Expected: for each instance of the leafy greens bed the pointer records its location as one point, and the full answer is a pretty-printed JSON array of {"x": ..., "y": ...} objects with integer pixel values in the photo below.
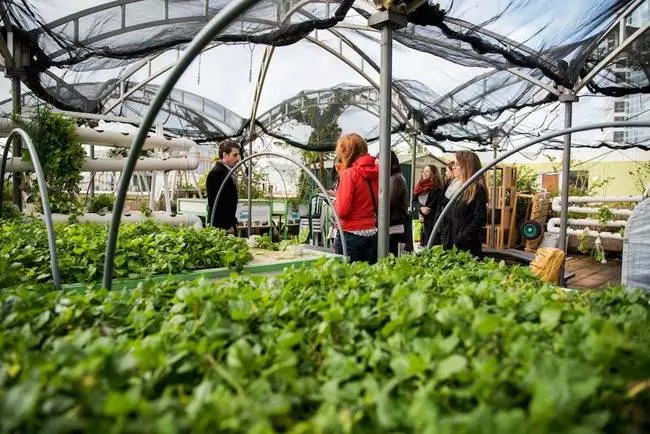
[
  {"x": 437, "y": 343},
  {"x": 143, "y": 249}
]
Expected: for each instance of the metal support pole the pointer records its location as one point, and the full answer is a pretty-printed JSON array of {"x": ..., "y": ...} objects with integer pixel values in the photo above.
[
  {"x": 414, "y": 138},
  {"x": 168, "y": 202},
  {"x": 222, "y": 20},
  {"x": 249, "y": 223},
  {"x": 91, "y": 187},
  {"x": 568, "y": 99},
  {"x": 493, "y": 241},
  {"x": 385, "y": 21},
  {"x": 17, "y": 149},
  {"x": 385, "y": 87},
  {"x": 261, "y": 78},
  {"x": 477, "y": 175}
]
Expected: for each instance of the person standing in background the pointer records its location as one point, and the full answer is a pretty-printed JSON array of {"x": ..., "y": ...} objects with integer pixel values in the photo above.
[
  {"x": 464, "y": 224},
  {"x": 398, "y": 206},
  {"x": 426, "y": 198},
  {"x": 226, "y": 209},
  {"x": 356, "y": 199}
]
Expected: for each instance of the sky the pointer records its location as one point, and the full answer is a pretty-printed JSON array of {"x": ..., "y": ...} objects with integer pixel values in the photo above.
[{"x": 227, "y": 74}]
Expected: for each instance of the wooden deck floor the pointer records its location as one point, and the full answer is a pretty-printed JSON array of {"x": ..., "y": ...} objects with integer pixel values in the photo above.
[{"x": 591, "y": 274}]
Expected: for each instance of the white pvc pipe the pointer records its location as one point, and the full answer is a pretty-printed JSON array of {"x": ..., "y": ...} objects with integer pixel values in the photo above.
[
  {"x": 97, "y": 137},
  {"x": 589, "y": 222},
  {"x": 554, "y": 229},
  {"x": 557, "y": 203},
  {"x": 135, "y": 216},
  {"x": 117, "y": 164},
  {"x": 168, "y": 202}
]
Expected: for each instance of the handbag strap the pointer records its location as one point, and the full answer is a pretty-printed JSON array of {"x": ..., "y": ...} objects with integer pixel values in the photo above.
[{"x": 374, "y": 201}]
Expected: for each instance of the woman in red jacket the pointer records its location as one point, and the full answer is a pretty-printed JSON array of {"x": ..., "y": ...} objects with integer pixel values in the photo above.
[{"x": 356, "y": 199}]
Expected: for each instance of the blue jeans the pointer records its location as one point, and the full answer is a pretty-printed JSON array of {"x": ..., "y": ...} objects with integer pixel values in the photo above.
[{"x": 359, "y": 248}]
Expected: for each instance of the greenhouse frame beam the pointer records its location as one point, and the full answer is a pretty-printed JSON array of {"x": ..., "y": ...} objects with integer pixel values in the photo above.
[
  {"x": 534, "y": 81},
  {"x": 259, "y": 87},
  {"x": 208, "y": 120},
  {"x": 398, "y": 110},
  {"x": 215, "y": 26},
  {"x": 540, "y": 139},
  {"x": 501, "y": 38},
  {"x": 610, "y": 57},
  {"x": 621, "y": 18},
  {"x": 278, "y": 115}
]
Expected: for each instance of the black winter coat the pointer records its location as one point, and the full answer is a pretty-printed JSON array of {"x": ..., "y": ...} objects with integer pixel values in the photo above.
[
  {"x": 464, "y": 225},
  {"x": 226, "y": 213},
  {"x": 433, "y": 202}
]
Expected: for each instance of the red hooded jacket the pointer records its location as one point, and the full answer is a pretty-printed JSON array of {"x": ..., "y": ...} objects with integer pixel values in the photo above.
[{"x": 354, "y": 203}]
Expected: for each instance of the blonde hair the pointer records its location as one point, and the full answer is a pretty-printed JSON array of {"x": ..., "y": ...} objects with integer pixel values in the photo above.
[
  {"x": 349, "y": 148},
  {"x": 468, "y": 164}
]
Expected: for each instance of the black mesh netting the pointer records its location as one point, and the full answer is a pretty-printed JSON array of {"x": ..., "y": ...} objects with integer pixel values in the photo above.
[
  {"x": 183, "y": 113},
  {"x": 551, "y": 42}
]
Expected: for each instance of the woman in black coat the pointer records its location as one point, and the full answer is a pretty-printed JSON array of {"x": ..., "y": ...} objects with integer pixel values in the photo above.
[
  {"x": 464, "y": 224},
  {"x": 426, "y": 198}
]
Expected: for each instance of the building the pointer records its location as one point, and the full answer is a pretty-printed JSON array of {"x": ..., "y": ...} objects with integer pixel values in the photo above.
[{"x": 631, "y": 107}]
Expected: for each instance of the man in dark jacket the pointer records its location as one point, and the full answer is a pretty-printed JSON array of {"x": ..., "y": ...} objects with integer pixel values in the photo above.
[{"x": 225, "y": 216}]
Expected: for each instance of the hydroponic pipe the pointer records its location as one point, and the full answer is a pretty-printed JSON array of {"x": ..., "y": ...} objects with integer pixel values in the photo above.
[
  {"x": 297, "y": 163},
  {"x": 477, "y": 175},
  {"x": 557, "y": 201},
  {"x": 98, "y": 137},
  {"x": 134, "y": 217},
  {"x": 117, "y": 164},
  {"x": 42, "y": 188},
  {"x": 222, "y": 20}
]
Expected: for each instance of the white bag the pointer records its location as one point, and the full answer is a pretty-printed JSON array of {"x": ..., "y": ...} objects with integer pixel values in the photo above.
[{"x": 636, "y": 249}]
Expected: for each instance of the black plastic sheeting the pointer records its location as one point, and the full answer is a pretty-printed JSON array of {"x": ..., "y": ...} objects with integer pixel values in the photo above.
[{"x": 553, "y": 42}]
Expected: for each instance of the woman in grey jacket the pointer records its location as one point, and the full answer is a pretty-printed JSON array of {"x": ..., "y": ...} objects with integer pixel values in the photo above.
[{"x": 399, "y": 199}]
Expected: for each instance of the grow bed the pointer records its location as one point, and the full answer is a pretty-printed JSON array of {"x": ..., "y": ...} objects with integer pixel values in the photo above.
[
  {"x": 263, "y": 262},
  {"x": 434, "y": 343}
]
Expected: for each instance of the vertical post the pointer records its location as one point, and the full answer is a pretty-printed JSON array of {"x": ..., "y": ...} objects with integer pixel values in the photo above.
[
  {"x": 249, "y": 223},
  {"x": 493, "y": 241},
  {"x": 385, "y": 21},
  {"x": 414, "y": 138},
  {"x": 17, "y": 150},
  {"x": 568, "y": 98},
  {"x": 168, "y": 203},
  {"x": 91, "y": 187}
]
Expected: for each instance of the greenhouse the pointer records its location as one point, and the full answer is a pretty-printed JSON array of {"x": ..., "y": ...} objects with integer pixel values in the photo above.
[{"x": 321, "y": 216}]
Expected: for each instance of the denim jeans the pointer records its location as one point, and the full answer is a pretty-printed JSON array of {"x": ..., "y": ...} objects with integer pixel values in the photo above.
[{"x": 359, "y": 248}]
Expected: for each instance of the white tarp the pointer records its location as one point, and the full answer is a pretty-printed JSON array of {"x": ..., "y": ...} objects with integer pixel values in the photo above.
[{"x": 636, "y": 249}]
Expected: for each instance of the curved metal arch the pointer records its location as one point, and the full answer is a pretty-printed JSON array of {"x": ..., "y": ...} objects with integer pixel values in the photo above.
[
  {"x": 622, "y": 16},
  {"x": 42, "y": 188},
  {"x": 150, "y": 90},
  {"x": 282, "y": 12},
  {"x": 361, "y": 96},
  {"x": 478, "y": 174},
  {"x": 216, "y": 25},
  {"x": 301, "y": 166}
]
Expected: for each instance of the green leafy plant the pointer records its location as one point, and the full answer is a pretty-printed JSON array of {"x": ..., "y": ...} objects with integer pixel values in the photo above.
[
  {"x": 101, "y": 202},
  {"x": 61, "y": 155},
  {"x": 265, "y": 242},
  {"x": 584, "y": 242},
  {"x": 145, "y": 210},
  {"x": 526, "y": 180},
  {"x": 143, "y": 249},
  {"x": 641, "y": 176},
  {"x": 430, "y": 343},
  {"x": 605, "y": 215},
  {"x": 10, "y": 212}
]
